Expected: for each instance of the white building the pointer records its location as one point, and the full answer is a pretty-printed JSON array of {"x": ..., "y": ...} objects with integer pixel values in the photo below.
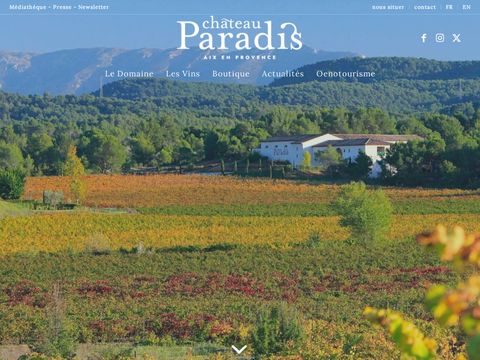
[{"x": 292, "y": 148}]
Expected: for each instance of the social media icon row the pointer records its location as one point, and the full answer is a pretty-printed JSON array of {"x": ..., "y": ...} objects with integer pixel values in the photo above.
[{"x": 441, "y": 38}]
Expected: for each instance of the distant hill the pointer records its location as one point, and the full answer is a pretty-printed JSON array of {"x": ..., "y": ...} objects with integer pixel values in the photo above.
[
  {"x": 399, "y": 96},
  {"x": 387, "y": 68},
  {"x": 79, "y": 71},
  {"x": 415, "y": 89}
]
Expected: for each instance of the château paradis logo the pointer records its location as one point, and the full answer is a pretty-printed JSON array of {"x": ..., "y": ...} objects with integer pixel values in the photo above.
[{"x": 230, "y": 34}]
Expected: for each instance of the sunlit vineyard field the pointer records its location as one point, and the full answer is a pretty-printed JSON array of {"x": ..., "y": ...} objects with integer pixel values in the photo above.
[
  {"x": 80, "y": 231},
  {"x": 165, "y": 190},
  {"x": 182, "y": 259}
]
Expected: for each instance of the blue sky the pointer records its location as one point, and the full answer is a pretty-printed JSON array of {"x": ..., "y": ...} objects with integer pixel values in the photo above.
[{"x": 346, "y": 25}]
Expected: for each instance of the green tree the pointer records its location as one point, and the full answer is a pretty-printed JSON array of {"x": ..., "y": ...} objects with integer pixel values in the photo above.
[
  {"x": 62, "y": 142},
  {"x": 361, "y": 167},
  {"x": 104, "y": 152},
  {"x": 367, "y": 213},
  {"x": 28, "y": 165},
  {"x": 12, "y": 184},
  {"x": 40, "y": 147},
  {"x": 10, "y": 156},
  {"x": 8, "y": 135},
  {"x": 330, "y": 160},
  {"x": 303, "y": 125},
  {"x": 372, "y": 121},
  {"x": 278, "y": 330},
  {"x": 183, "y": 155},
  {"x": 236, "y": 149},
  {"x": 414, "y": 160},
  {"x": 449, "y": 128},
  {"x": 279, "y": 120},
  {"x": 412, "y": 125},
  {"x": 143, "y": 150},
  {"x": 215, "y": 145},
  {"x": 165, "y": 156},
  {"x": 197, "y": 145}
]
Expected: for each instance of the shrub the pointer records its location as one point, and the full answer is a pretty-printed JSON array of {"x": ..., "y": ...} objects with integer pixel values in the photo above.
[
  {"x": 330, "y": 160},
  {"x": 12, "y": 184},
  {"x": 254, "y": 156},
  {"x": 59, "y": 341},
  {"x": 53, "y": 198},
  {"x": 313, "y": 241},
  {"x": 367, "y": 213},
  {"x": 278, "y": 330},
  {"x": 98, "y": 244}
]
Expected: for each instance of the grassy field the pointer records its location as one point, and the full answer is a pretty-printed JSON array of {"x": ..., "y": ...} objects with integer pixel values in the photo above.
[
  {"x": 193, "y": 259},
  {"x": 10, "y": 209}
]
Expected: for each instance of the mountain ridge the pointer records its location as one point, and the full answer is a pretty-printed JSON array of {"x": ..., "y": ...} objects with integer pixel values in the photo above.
[{"x": 78, "y": 71}]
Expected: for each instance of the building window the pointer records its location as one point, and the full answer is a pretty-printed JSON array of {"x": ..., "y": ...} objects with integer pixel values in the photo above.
[
  {"x": 266, "y": 146},
  {"x": 381, "y": 151},
  {"x": 276, "y": 146},
  {"x": 286, "y": 145}
]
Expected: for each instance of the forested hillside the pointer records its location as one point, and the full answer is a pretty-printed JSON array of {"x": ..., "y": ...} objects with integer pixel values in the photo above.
[
  {"x": 157, "y": 122},
  {"x": 402, "y": 96},
  {"x": 388, "y": 68}
]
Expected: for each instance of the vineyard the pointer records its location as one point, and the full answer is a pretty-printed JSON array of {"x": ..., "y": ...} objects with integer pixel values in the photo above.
[
  {"x": 165, "y": 190},
  {"x": 83, "y": 230},
  {"x": 181, "y": 260}
]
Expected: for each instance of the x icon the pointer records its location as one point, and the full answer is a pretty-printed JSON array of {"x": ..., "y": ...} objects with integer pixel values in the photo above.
[{"x": 456, "y": 38}]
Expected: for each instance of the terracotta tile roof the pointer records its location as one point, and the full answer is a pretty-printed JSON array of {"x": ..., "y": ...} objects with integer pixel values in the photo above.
[
  {"x": 353, "y": 142},
  {"x": 380, "y": 137}
]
